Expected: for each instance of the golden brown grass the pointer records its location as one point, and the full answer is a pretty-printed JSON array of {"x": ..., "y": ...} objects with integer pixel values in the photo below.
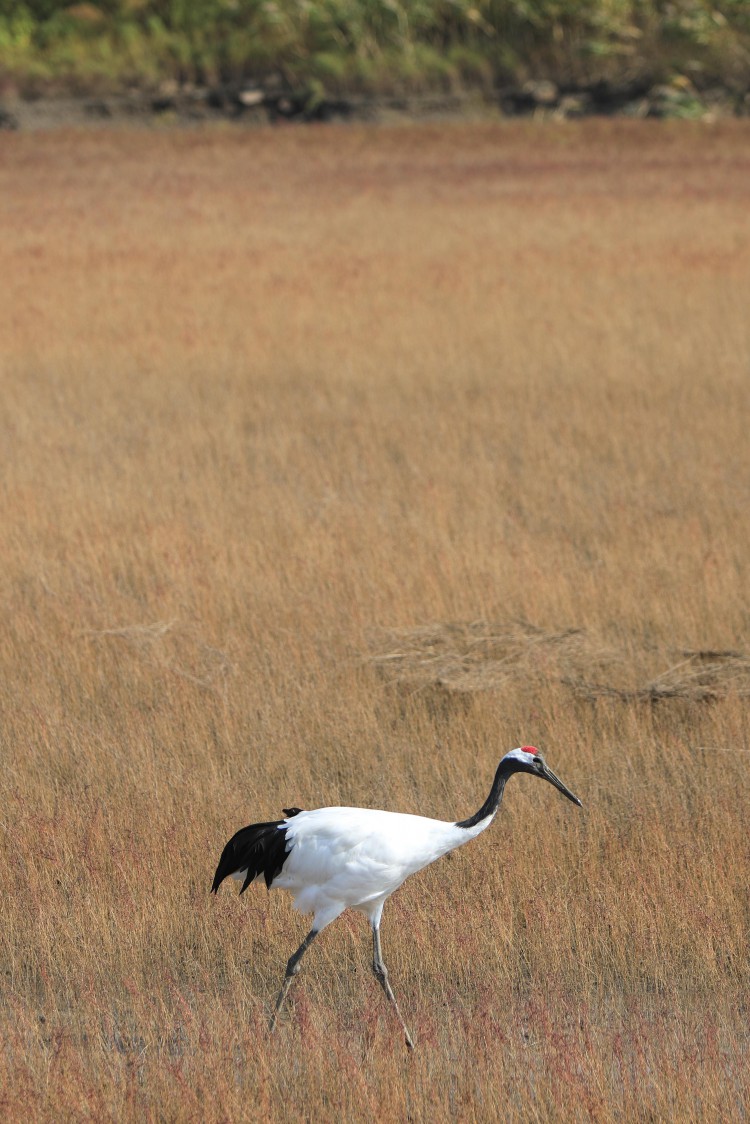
[{"x": 273, "y": 402}]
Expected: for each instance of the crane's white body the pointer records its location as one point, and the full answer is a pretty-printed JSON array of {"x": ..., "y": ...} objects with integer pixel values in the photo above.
[{"x": 354, "y": 858}]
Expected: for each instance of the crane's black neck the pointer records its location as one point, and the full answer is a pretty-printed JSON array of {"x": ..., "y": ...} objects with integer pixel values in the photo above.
[{"x": 504, "y": 770}]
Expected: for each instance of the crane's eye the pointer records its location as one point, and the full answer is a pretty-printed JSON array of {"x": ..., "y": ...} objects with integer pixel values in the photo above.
[{"x": 538, "y": 761}]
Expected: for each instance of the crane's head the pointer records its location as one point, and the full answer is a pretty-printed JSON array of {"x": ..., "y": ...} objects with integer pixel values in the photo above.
[{"x": 527, "y": 759}]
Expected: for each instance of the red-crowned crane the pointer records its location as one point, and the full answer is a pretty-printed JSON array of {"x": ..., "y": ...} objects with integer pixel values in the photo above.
[{"x": 333, "y": 859}]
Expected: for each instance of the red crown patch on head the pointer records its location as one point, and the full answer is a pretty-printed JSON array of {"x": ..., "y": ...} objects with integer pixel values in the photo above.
[{"x": 529, "y": 749}]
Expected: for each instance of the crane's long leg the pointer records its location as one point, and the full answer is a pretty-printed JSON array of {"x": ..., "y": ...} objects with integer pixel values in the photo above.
[
  {"x": 291, "y": 971},
  {"x": 381, "y": 973}
]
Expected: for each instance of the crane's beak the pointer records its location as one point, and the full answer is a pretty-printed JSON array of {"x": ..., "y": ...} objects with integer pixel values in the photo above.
[{"x": 548, "y": 775}]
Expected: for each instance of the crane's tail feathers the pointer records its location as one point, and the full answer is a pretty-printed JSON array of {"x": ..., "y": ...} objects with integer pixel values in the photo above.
[{"x": 258, "y": 849}]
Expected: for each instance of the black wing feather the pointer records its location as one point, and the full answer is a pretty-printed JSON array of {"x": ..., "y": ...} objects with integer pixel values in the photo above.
[{"x": 259, "y": 848}]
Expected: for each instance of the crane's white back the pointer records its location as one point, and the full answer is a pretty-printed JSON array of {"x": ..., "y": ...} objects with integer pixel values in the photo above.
[{"x": 355, "y": 858}]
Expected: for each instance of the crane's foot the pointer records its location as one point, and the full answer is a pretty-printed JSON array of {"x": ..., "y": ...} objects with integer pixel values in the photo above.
[
  {"x": 381, "y": 974},
  {"x": 292, "y": 969},
  {"x": 279, "y": 1003}
]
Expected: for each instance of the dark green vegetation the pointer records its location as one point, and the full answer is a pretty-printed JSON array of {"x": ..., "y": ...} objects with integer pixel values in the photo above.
[{"x": 374, "y": 46}]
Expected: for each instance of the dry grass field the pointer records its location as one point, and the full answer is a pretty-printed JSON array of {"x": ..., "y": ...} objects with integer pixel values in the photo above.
[{"x": 335, "y": 463}]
